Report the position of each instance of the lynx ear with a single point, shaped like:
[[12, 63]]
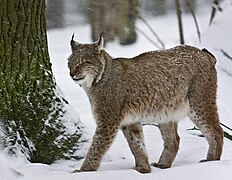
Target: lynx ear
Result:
[[73, 43], [100, 42]]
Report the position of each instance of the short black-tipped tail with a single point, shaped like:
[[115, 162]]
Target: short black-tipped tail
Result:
[[208, 52]]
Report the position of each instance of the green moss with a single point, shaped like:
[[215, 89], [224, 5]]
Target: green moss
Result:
[[30, 110]]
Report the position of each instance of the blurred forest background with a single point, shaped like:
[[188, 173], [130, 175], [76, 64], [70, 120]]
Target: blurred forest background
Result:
[[117, 18]]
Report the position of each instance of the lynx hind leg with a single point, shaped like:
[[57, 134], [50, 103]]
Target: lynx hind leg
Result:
[[203, 112], [207, 121], [134, 136], [171, 145]]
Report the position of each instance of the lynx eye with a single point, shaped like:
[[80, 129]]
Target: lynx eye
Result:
[[78, 65], [83, 63], [88, 62]]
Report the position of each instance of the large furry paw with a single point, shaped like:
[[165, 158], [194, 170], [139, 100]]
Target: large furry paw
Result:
[[142, 169], [161, 166]]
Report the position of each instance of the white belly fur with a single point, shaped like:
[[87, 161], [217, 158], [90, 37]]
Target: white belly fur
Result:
[[164, 116]]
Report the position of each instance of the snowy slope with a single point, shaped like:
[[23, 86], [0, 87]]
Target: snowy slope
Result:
[[118, 162]]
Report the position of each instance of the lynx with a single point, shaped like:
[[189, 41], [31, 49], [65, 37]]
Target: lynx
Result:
[[159, 87]]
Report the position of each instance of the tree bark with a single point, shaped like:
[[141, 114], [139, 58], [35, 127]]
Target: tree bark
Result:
[[31, 110], [55, 13], [180, 25], [116, 18]]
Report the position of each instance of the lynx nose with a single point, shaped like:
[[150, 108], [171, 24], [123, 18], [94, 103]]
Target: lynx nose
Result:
[[72, 74]]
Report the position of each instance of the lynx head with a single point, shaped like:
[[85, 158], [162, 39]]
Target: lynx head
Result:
[[86, 64]]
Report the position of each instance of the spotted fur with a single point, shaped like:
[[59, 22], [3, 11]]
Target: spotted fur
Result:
[[159, 87]]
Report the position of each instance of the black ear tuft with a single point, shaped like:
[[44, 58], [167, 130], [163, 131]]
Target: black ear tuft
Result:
[[100, 42], [73, 43], [100, 38]]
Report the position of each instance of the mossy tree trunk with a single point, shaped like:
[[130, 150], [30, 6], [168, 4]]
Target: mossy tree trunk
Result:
[[31, 110], [116, 18]]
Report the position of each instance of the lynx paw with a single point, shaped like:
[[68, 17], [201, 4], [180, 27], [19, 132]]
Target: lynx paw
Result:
[[203, 160], [76, 171], [142, 169], [161, 166]]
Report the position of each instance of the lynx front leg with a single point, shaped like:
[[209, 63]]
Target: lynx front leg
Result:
[[171, 145], [135, 139], [103, 138]]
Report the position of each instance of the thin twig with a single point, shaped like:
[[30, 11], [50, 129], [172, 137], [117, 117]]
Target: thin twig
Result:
[[226, 134], [229, 59], [194, 128], [226, 54], [149, 39], [152, 31], [195, 19], [213, 12], [226, 126]]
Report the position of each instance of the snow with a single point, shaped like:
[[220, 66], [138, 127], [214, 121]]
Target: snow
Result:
[[118, 162]]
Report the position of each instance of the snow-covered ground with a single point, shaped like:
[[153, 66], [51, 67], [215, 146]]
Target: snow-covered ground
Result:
[[118, 162]]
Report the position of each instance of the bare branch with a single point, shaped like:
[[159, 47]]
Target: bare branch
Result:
[[178, 13], [227, 127], [194, 128], [213, 12], [152, 31], [148, 38], [195, 19], [226, 54], [226, 134]]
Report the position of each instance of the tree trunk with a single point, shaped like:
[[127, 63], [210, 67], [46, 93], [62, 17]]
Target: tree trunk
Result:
[[55, 13], [31, 111], [179, 17], [116, 18]]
